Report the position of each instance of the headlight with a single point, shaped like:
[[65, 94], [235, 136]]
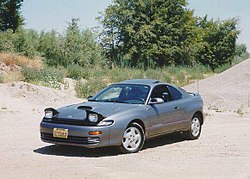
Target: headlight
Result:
[[48, 114], [93, 117], [105, 123]]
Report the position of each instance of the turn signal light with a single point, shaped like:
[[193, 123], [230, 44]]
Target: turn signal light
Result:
[[95, 132]]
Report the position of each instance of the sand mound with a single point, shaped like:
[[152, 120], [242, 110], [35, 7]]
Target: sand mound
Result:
[[229, 90], [24, 96]]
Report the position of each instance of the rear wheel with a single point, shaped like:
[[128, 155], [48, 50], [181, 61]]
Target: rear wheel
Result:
[[194, 128], [133, 138]]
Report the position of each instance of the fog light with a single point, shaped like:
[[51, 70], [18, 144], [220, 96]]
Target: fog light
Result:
[[95, 132]]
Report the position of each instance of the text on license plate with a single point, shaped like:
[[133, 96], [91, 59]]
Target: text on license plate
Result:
[[60, 133]]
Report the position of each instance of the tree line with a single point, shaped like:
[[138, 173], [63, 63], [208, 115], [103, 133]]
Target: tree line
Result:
[[165, 32], [135, 33]]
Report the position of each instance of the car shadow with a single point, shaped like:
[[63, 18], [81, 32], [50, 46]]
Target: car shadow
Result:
[[71, 151], [164, 140]]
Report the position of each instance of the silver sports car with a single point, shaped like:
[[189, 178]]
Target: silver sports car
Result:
[[125, 114]]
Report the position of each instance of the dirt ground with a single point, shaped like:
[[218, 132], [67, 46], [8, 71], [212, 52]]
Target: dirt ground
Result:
[[222, 151]]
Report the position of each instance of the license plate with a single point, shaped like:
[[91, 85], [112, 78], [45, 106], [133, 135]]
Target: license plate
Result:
[[60, 133]]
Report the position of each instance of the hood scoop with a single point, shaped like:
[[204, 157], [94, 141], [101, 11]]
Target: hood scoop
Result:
[[87, 108]]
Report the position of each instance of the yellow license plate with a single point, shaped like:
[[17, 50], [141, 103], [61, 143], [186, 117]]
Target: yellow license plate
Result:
[[60, 133]]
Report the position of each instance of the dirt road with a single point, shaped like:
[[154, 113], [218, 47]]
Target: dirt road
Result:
[[223, 151]]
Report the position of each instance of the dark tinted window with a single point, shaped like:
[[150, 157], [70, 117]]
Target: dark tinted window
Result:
[[161, 91], [175, 93]]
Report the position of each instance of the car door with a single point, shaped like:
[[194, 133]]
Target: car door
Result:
[[179, 103], [163, 116]]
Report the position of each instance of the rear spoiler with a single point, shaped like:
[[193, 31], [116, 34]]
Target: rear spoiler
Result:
[[194, 94]]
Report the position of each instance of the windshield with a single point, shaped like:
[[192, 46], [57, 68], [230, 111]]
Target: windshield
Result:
[[123, 93]]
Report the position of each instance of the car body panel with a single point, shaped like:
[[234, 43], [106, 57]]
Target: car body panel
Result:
[[157, 119]]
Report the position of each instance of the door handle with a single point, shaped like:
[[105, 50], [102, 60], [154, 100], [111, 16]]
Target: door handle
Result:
[[176, 107]]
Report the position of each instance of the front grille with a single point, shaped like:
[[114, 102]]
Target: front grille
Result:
[[76, 122], [71, 139]]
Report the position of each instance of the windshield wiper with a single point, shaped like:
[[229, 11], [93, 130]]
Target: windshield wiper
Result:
[[91, 100], [115, 101]]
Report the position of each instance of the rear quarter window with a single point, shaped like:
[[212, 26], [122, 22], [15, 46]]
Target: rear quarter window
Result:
[[176, 94]]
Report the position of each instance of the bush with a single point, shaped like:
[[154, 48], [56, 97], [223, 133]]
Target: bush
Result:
[[1, 78], [6, 41], [77, 72], [91, 87], [240, 50], [48, 76]]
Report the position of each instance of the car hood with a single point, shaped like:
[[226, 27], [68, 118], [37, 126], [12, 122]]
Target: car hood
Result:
[[106, 109]]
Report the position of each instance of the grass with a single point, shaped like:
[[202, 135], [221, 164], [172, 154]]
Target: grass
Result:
[[49, 76], [1, 78], [19, 60], [11, 77], [77, 72], [14, 63]]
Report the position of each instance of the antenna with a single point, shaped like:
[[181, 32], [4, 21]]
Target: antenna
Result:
[[197, 76], [198, 86]]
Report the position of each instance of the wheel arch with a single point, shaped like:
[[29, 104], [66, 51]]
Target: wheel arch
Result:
[[201, 116], [139, 122]]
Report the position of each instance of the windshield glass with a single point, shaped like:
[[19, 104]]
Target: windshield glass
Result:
[[123, 93]]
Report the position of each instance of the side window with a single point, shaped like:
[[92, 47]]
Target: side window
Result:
[[175, 93], [161, 91]]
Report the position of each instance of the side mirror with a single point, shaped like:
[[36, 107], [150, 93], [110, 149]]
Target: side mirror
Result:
[[156, 101], [89, 97]]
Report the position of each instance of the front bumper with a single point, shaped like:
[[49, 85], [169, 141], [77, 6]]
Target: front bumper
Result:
[[77, 135]]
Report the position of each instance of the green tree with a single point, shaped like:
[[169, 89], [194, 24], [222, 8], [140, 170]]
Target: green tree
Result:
[[80, 46], [150, 32], [218, 41], [10, 16], [75, 46]]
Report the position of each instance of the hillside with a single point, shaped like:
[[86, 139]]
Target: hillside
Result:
[[229, 90]]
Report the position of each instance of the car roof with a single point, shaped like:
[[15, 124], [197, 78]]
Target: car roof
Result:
[[141, 81]]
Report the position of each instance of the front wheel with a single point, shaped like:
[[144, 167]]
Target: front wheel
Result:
[[133, 139], [194, 128]]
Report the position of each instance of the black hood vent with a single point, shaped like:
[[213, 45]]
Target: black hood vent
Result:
[[87, 108]]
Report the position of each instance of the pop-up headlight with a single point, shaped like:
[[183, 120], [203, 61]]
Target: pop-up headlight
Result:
[[93, 117], [49, 113]]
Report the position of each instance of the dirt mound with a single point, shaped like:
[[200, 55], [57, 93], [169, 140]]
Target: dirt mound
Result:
[[229, 90], [11, 67], [22, 96]]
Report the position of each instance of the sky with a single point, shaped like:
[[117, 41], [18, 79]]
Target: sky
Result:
[[54, 14]]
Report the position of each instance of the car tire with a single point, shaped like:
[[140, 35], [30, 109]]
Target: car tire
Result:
[[133, 138], [195, 126]]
